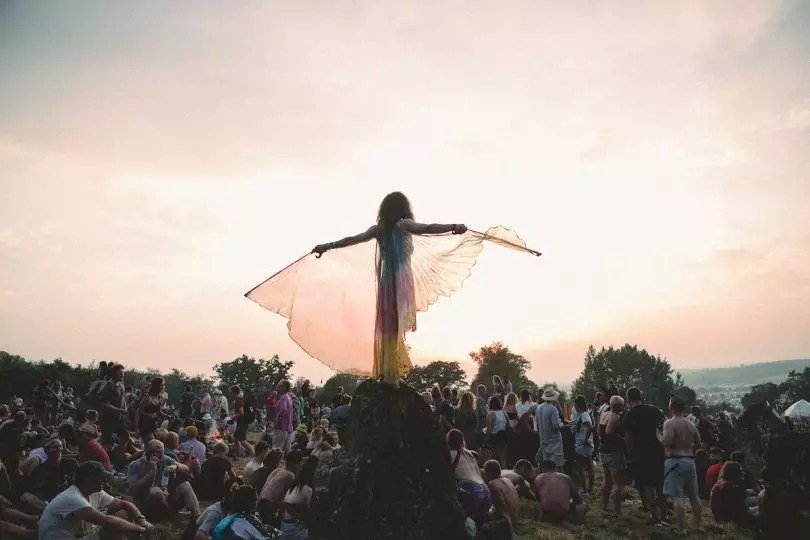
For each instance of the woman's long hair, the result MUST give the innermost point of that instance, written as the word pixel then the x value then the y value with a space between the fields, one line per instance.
pixel 467 402
pixel 394 206
pixel 306 475
pixel 511 400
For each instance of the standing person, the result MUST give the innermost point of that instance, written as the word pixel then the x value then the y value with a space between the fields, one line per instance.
pixel 446 410
pixel 583 444
pixel 641 425
pixel 467 420
pixel 548 423
pixel 707 431
pixel 150 410
pixel 283 421
pixel 242 420
pixel 186 402
pixel 680 438
pixel 206 403
pixel 497 425
pixel 220 403
pixel 497 387
pixel 612 455
pixel 507 385
pixel 114 409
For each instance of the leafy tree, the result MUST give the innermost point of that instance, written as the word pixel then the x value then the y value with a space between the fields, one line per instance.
pixel 797 386
pixel 256 376
pixel 329 389
pixel 422 378
pixel 686 394
pixel 628 366
pixel 497 359
pixel 761 393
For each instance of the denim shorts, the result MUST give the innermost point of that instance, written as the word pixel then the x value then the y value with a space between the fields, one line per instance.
pixel 615 461
pixel 680 478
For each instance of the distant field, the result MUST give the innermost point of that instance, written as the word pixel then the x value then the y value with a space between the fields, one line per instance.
pixel 743 375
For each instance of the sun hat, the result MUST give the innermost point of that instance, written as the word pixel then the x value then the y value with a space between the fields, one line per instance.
pixel 549 394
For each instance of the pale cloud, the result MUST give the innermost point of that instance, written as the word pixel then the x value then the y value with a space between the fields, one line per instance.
pixel 155 166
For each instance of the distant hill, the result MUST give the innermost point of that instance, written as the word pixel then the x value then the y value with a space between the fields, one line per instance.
pixel 742 375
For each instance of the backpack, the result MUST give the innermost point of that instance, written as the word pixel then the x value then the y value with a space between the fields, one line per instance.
pixel 250 413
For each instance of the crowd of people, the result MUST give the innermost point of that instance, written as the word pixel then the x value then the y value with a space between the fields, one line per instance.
pixel 117 460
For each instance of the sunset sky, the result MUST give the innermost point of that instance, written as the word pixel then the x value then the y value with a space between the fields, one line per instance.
pixel 159 159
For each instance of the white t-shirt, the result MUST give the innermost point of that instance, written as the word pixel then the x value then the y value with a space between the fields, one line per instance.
pixel 521 408
pixel 59 523
pixel 250 468
pixel 210 518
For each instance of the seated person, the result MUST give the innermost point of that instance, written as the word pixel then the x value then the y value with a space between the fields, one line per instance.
pixel 255 463
pixel 89 447
pixel 149 480
pixel 474 494
pixel 325 448
pixel 49 478
pixel 80 506
pixel 522 477
pixel 315 437
pixel 505 502
pixel 751 486
pixel 213 514
pixel 192 445
pixel 278 483
pixel 557 497
pixel 242 522
pixel 297 501
pixel 183 457
pixel 728 496
pixel 271 461
pixel 210 485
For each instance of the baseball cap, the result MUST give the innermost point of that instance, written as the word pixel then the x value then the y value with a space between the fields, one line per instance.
pixel 92 469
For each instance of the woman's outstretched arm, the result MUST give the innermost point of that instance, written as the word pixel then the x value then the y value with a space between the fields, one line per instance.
pixel 414 227
pixel 348 241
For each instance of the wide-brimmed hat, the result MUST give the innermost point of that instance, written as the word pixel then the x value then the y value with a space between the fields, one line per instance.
pixel 549 394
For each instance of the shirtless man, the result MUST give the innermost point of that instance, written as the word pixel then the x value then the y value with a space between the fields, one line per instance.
pixel 505 499
pixel 522 477
pixel 680 438
pixel 277 484
pixel 555 492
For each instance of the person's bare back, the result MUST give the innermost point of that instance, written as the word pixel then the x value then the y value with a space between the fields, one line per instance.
pixel 554 491
pixel 505 498
pixel 277 484
pixel 680 437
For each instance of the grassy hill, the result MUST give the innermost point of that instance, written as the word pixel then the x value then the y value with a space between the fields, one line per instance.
pixel 744 374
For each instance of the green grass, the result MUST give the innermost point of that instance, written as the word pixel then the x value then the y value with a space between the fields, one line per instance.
pixel 632 524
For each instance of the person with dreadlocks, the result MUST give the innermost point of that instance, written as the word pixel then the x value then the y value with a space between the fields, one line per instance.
pixel 395 287
pixel 330 303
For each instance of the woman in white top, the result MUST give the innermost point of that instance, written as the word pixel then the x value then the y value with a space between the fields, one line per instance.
pixel 495 435
pixel 473 490
pixel 295 507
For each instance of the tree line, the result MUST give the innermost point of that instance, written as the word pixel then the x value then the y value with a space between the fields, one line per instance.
pixel 626 366
pixel 782 395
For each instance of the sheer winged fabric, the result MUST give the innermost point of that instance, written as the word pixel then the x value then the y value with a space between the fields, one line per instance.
pixel 331 303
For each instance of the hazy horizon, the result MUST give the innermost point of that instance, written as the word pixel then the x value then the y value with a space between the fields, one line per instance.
pixel 159 160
